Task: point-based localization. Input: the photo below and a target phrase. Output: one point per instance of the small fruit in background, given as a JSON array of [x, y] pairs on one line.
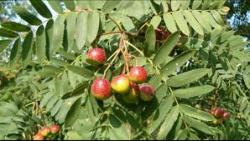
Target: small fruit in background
[[218, 112], [161, 33], [138, 74], [54, 128], [120, 84], [96, 56], [38, 136], [101, 89], [226, 115], [133, 96], [218, 121], [147, 92], [44, 131]]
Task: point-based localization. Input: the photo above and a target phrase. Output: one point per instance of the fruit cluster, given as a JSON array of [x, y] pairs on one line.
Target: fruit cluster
[[220, 114], [47, 132], [130, 86]]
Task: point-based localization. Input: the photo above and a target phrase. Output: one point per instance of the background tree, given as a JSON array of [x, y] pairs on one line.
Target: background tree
[[239, 15]]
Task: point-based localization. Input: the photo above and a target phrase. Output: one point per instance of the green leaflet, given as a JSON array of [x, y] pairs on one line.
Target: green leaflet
[[193, 91], [166, 48], [150, 41], [187, 77], [41, 8]]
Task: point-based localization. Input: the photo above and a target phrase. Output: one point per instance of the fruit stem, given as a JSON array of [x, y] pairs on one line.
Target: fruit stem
[[149, 60], [111, 56], [109, 65], [124, 52], [135, 48], [107, 33]]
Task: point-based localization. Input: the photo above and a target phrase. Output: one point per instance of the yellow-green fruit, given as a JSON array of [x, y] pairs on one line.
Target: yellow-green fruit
[[133, 96], [218, 121], [44, 131], [120, 84]]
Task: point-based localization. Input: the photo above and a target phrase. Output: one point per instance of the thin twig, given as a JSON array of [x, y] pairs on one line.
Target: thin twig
[[135, 48], [109, 65], [111, 56], [108, 33], [125, 59], [117, 24]]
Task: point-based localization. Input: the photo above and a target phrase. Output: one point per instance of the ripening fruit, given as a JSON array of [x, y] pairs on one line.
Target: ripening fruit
[[147, 92], [101, 89], [120, 84], [218, 112], [138, 74], [54, 129], [133, 96], [226, 115], [38, 136], [96, 56], [44, 131]]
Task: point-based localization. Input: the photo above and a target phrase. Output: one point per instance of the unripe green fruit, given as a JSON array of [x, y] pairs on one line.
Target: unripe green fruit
[[133, 96], [120, 84], [218, 121]]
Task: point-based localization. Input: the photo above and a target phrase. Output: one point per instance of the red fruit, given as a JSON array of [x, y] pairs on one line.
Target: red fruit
[[101, 89], [138, 74], [54, 128], [134, 86], [96, 56], [38, 136], [146, 92], [226, 115], [120, 84], [161, 33], [218, 112]]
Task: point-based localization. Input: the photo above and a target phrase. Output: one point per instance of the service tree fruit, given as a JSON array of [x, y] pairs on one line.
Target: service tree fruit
[[218, 112], [147, 92], [54, 129], [96, 56], [38, 137], [101, 89], [120, 84], [44, 131], [138, 74]]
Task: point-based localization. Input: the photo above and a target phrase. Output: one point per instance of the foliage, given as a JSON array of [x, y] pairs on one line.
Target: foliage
[[239, 16], [201, 65]]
